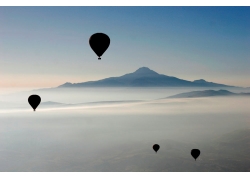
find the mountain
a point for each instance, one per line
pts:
(207, 93)
(143, 77)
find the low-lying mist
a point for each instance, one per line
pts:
(118, 136)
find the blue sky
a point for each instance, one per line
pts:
(47, 46)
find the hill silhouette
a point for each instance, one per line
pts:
(143, 77)
(207, 93)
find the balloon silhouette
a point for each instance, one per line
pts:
(34, 100)
(195, 153)
(99, 43)
(156, 147)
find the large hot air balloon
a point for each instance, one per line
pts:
(34, 100)
(99, 42)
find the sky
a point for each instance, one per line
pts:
(48, 46)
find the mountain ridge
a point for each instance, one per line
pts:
(207, 93)
(143, 77)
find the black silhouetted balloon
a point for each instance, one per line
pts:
(195, 153)
(99, 43)
(156, 147)
(34, 100)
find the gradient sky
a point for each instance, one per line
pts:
(48, 46)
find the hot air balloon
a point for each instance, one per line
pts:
(99, 42)
(195, 153)
(34, 100)
(156, 147)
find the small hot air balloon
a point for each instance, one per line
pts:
(156, 147)
(99, 42)
(34, 100)
(195, 153)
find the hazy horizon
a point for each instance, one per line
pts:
(119, 136)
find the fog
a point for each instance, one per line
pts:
(118, 136)
(81, 95)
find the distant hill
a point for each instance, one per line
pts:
(51, 103)
(143, 77)
(207, 93)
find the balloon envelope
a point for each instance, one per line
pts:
(195, 153)
(156, 147)
(34, 100)
(99, 42)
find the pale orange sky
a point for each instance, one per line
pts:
(44, 81)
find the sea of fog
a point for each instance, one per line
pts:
(118, 136)
(82, 95)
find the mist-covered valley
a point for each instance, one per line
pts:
(114, 129)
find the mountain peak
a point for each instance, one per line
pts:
(145, 70)
(200, 81)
